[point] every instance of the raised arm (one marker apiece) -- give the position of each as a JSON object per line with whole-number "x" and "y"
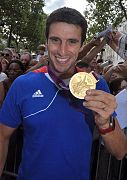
{"x": 42, "y": 62}
{"x": 88, "y": 47}
{"x": 94, "y": 51}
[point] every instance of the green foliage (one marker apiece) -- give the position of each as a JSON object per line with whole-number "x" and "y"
{"x": 101, "y": 13}
{"x": 24, "y": 22}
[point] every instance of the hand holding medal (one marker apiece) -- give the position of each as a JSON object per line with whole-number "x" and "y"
{"x": 97, "y": 101}
{"x": 80, "y": 83}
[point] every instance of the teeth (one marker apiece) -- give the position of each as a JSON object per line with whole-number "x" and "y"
{"x": 62, "y": 60}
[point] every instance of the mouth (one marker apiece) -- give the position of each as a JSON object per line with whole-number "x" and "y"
{"x": 62, "y": 60}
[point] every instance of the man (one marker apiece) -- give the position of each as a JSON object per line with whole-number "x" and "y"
{"x": 58, "y": 127}
{"x": 7, "y": 53}
{"x": 26, "y": 58}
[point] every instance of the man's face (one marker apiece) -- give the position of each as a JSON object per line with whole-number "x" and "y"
{"x": 93, "y": 64}
{"x": 115, "y": 75}
{"x": 64, "y": 44}
{"x": 7, "y": 54}
{"x": 25, "y": 59}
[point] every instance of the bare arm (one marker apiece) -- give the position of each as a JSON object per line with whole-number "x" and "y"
{"x": 108, "y": 74}
{"x": 120, "y": 68}
{"x": 103, "y": 104}
{"x": 5, "y": 133}
{"x": 42, "y": 62}
{"x": 116, "y": 142}
{"x": 87, "y": 47}
{"x": 94, "y": 51}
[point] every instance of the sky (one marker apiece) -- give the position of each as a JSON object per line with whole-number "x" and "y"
{"x": 51, "y": 5}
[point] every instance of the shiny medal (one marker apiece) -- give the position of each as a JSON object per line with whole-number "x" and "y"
{"x": 80, "y": 83}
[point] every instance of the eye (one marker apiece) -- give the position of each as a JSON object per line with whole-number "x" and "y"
{"x": 54, "y": 40}
{"x": 73, "y": 41}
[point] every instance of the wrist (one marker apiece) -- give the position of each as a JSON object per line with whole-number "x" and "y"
{"x": 108, "y": 127}
{"x": 104, "y": 125}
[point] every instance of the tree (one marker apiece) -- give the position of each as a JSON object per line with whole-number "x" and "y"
{"x": 24, "y": 22}
{"x": 101, "y": 13}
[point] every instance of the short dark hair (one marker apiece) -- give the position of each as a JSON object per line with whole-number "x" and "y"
{"x": 115, "y": 84}
{"x": 82, "y": 64}
{"x": 67, "y": 15}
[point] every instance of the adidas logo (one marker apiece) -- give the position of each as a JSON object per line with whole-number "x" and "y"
{"x": 38, "y": 93}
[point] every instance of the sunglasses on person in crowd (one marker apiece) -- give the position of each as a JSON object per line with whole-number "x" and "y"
{"x": 5, "y": 54}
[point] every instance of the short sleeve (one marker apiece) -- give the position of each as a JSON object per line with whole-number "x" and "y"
{"x": 10, "y": 111}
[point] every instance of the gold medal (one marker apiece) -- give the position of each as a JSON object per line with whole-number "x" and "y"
{"x": 80, "y": 83}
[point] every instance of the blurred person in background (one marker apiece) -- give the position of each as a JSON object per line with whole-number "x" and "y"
{"x": 16, "y": 56}
{"x": 32, "y": 64}
{"x": 42, "y": 62}
{"x": 7, "y": 53}
{"x": 40, "y": 51}
{"x": 14, "y": 69}
{"x": 3, "y": 76}
{"x": 4, "y": 64}
{"x": 121, "y": 110}
{"x": 112, "y": 72}
{"x": 118, "y": 85}
{"x": 26, "y": 58}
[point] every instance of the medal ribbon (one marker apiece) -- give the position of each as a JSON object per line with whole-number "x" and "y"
{"x": 59, "y": 83}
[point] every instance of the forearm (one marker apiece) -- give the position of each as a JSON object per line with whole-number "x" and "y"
{"x": 3, "y": 153}
{"x": 107, "y": 74}
{"x": 116, "y": 142}
{"x": 94, "y": 51}
{"x": 103, "y": 105}
{"x": 37, "y": 66}
{"x": 85, "y": 50}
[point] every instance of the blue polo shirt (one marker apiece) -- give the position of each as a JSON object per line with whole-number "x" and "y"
{"x": 57, "y": 132}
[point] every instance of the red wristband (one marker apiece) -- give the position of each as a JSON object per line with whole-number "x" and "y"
{"x": 110, "y": 128}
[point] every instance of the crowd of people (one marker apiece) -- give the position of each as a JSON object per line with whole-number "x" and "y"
{"x": 58, "y": 129}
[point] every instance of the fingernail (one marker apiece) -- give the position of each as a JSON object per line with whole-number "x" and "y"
{"x": 88, "y": 92}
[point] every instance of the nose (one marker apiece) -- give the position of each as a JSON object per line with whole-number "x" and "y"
{"x": 24, "y": 62}
{"x": 62, "y": 49}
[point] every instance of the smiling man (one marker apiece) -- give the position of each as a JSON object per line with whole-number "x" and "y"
{"x": 58, "y": 127}
{"x": 63, "y": 48}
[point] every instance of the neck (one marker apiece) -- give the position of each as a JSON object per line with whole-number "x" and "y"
{"x": 64, "y": 75}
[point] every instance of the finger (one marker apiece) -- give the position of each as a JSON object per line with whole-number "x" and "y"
{"x": 104, "y": 113}
{"x": 93, "y": 92}
{"x": 101, "y": 96}
{"x": 104, "y": 98}
{"x": 97, "y": 104}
